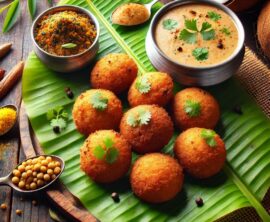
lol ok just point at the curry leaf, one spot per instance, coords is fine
(69, 45)
(11, 16)
(32, 7)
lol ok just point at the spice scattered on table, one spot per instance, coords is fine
(69, 93)
(35, 173)
(3, 206)
(19, 212)
(7, 119)
(115, 197)
(199, 201)
(238, 109)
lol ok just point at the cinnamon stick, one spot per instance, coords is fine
(4, 49)
(2, 73)
(11, 78)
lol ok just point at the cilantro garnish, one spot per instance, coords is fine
(109, 153)
(99, 102)
(214, 16)
(58, 117)
(143, 117)
(192, 108)
(225, 31)
(189, 34)
(69, 45)
(142, 84)
(200, 53)
(169, 24)
(209, 136)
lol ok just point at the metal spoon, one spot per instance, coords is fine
(14, 108)
(7, 179)
(140, 20)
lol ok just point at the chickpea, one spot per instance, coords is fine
(35, 179)
(24, 175)
(50, 171)
(34, 161)
(27, 186)
(3, 206)
(49, 159)
(33, 186)
(43, 169)
(16, 173)
(24, 164)
(44, 162)
(29, 173)
(15, 180)
(34, 174)
(40, 183)
(57, 164)
(51, 165)
(29, 180)
(42, 157)
(53, 176)
(47, 177)
(29, 162)
(57, 170)
(19, 212)
(37, 167)
(21, 168)
(21, 184)
(40, 176)
(28, 168)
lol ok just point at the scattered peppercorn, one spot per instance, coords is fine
(237, 109)
(220, 44)
(19, 212)
(2, 73)
(180, 49)
(193, 12)
(199, 201)
(69, 93)
(115, 197)
(3, 206)
(56, 129)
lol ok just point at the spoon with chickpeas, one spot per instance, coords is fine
(34, 174)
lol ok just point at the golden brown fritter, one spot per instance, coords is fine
(151, 88)
(100, 170)
(114, 72)
(194, 107)
(89, 119)
(149, 137)
(196, 156)
(156, 178)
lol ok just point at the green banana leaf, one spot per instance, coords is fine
(241, 185)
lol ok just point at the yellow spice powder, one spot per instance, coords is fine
(7, 119)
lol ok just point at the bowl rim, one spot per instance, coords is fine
(66, 7)
(177, 3)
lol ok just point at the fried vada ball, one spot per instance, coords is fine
(114, 72)
(156, 178)
(194, 107)
(105, 168)
(201, 152)
(151, 88)
(147, 134)
(96, 109)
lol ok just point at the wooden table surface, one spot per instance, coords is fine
(10, 148)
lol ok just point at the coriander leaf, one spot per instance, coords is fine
(61, 123)
(188, 37)
(144, 117)
(191, 24)
(208, 35)
(108, 142)
(169, 24)
(112, 155)
(99, 152)
(50, 114)
(64, 115)
(142, 85)
(214, 16)
(225, 31)
(99, 102)
(205, 26)
(192, 108)
(209, 136)
(200, 53)
(131, 120)
(58, 109)
(69, 45)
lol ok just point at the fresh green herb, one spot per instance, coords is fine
(214, 16)
(32, 7)
(192, 108)
(99, 102)
(58, 117)
(143, 117)
(11, 16)
(209, 136)
(109, 153)
(143, 85)
(169, 24)
(189, 34)
(200, 53)
(225, 31)
(69, 45)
